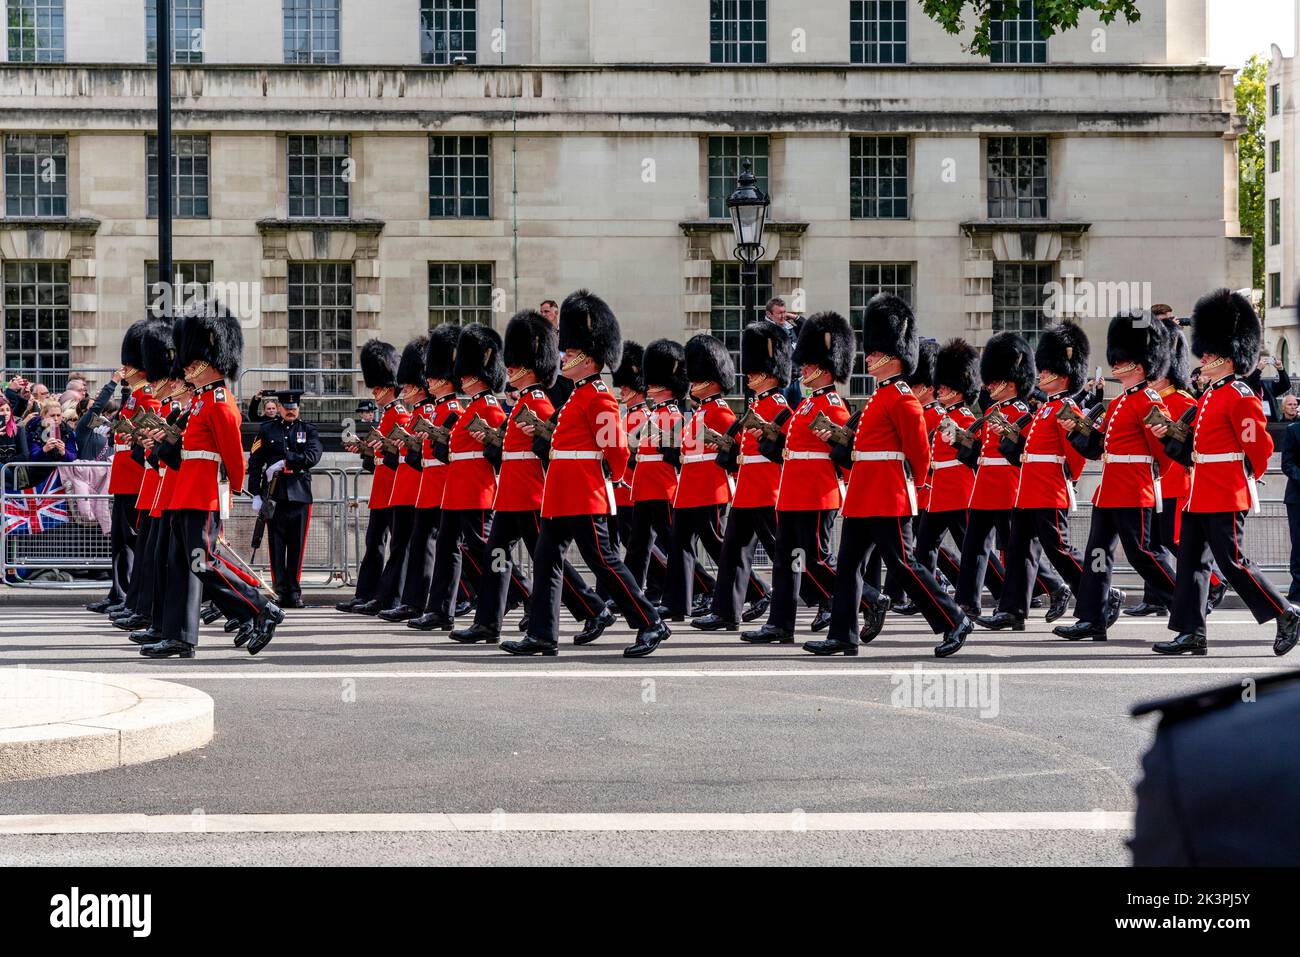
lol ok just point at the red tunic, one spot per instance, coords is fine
(933, 416)
(1046, 455)
(151, 487)
(632, 419)
(759, 478)
(891, 435)
(381, 488)
(406, 483)
(997, 481)
(588, 439)
(703, 481)
(471, 481)
(655, 478)
(211, 440)
(523, 480)
(1175, 480)
(126, 474)
(433, 478)
(1127, 479)
(1229, 422)
(169, 476)
(951, 482)
(808, 479)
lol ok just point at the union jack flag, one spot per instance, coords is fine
(36, 509)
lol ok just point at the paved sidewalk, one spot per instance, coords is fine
(71, 722)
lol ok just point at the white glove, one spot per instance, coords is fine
(274, 469)
(257, 504)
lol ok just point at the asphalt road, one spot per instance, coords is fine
(342, 720)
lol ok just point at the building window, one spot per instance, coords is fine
(459, 182)
(448, 31)
(460, 293)
(36, 175)
(35, 31)
(1275, 290)
(878, 31)
(878, 183)
(187, 31)
(36, 307)
(320, 170)
(737, 31)
(192, 281)
(1275, 156)
(1274, 222)
(1017, 177)
(1019, 38)
(320, 326)
(1275, 100)
(865, 281)
(311, 31)
(1019, 292)
(189, 176)
(727, 315)
(726, 155)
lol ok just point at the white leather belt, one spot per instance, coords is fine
(1129, 459)
(1198, 458)
(431, 463)
(692, 459)
(946, 464)
(993, 460)
(464, 456)
(209, 456)
(518, 456)
(1052, 459)
(756, 459)
(803, 456)
(878, 456)
(639, 458)
(584, 454)
(119, 447)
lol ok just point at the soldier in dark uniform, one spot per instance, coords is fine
(279, 470)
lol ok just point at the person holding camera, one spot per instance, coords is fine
(1271, 391)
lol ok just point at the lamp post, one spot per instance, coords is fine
(748, 205)
(166, 270)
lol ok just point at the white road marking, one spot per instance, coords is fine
(793, 821)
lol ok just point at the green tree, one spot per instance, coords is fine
(1251, 90)
(1053, 15)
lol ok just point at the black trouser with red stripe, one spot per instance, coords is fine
(1165, 534)
(461, 547)
(620, 533)
(390, 581)
(1218, 536)
(144, 566)
(591, 534)
(931, 553)
(502, 575)
(891, 537)
(652, 523)
(378, 526)
(985, 529)
(121, 543)
(197, 566)
(705, 523)
(420, 555)
(1132, 528)
(1037, 533)
(286, 542)
(802, 554)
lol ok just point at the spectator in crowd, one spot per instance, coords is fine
(1291, 468)
(550, 312)
(90, 482)
(13, 444)
(776, 313)
(75, 390)
(49, 439)
(1290, 408)
(19, 395)
(1270, 390)
(263, 406)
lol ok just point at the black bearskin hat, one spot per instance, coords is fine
(889, 327)
(1136, 337)
(1063, 348)
(1224, 324)
(1180, 363)
(587, 323)
(208, 331)
(957, 366)
(923, 374)
(157, 350)
(707, 360)
(765, 348)
(665, 367)
(826, 341)
(1008, 358)
(410, 370)
(630, 372)
(379, 362)
(478, 355)
(531, 343)
(440, 355)
(131, 355)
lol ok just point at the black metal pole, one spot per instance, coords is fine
(166, 269)
(749, 292)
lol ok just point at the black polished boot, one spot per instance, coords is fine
(400, 613)
(1217, 594)
(431, 621)
(209, 612)
(756, 610)
(1060, 603)
(822, 620)
(1184, 644)
(267, 621)
(371, 608)
(826, 647)
(149, 637)
(474, 634)
(528, 645)
(874, 620)
(1001, 621)
(234, 624)
(647, 640)
(1114, 602)
(464, 608)
(595, 627)
(713, 623)
(100, 607)
(1081, 631)
(348, 605)
(171, 648)
(1288, 631)
(132, 622)
(701, 605)
(769, 634)
(1147, 610)
(953, 641)
(906, 607)
(293, 601)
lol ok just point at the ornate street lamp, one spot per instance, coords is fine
(748, 205)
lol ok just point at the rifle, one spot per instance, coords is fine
(527, 417)
(1178, 429)
(490, 436)
(387, 444)
(1070, 412)
(265, 513)
(956, 435)
(146, 421)
(403, 438)
(724, 443)
(123, 428)
(752, 420)
(840, 435)
(436, 434)
(1009, 429)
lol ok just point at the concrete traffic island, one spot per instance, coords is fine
(71, 722)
